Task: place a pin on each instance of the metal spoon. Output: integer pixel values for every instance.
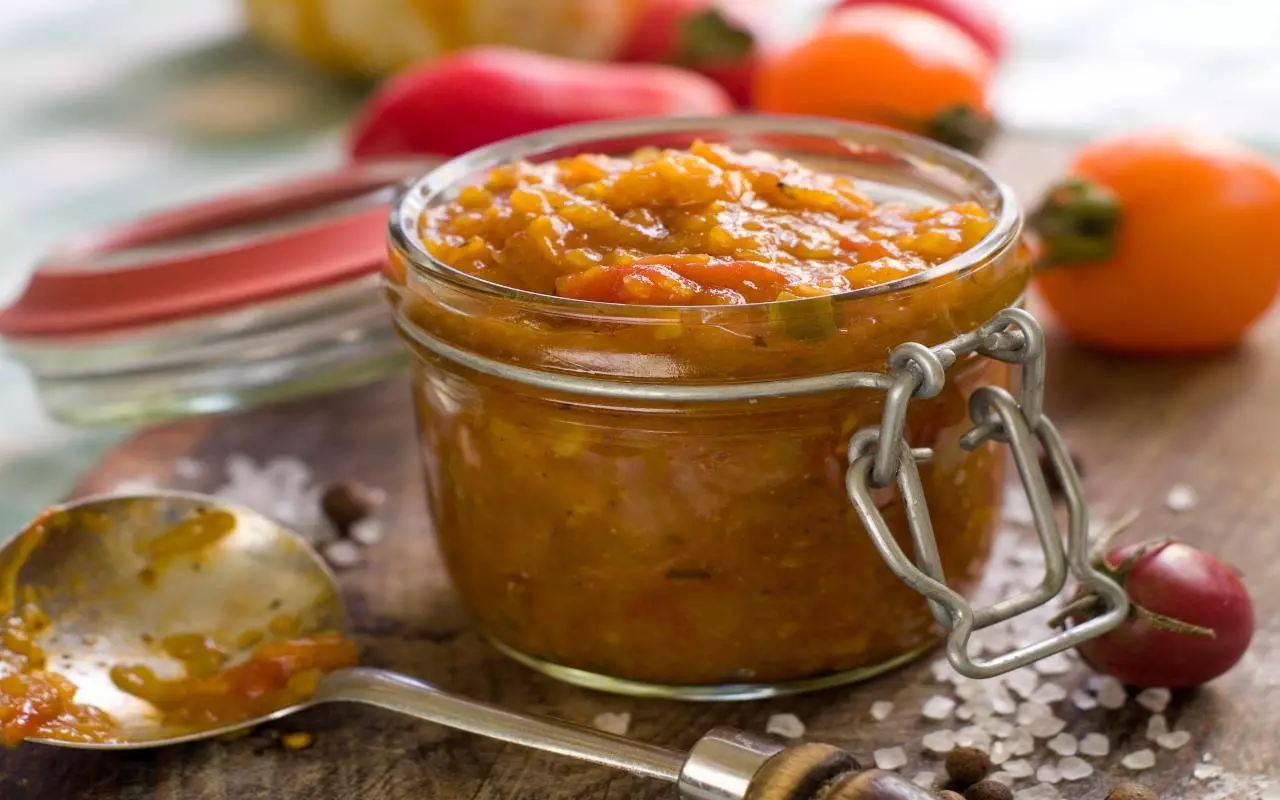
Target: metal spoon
(86, 573)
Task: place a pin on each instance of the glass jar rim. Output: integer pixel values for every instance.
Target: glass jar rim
(432, 187)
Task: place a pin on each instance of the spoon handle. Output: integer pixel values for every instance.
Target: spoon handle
(396, 692)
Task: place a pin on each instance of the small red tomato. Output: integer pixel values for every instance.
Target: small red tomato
(1174, 585)
(974, 17)
(718, 38)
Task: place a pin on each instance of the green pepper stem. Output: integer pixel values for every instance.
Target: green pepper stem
(1171, 624)
(1077, 222)
(962, 127)
(709, 37)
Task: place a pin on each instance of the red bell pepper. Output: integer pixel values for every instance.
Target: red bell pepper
(473, 97)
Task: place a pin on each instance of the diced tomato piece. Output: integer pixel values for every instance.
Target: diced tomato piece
(673, 280)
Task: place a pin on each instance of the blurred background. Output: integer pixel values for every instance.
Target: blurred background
(110, 108)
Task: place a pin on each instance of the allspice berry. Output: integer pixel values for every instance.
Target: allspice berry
(1131, 791)
(346, 503)
(988, 790)
(967, 765)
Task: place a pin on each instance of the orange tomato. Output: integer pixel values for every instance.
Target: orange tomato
(888, 65)
(1160, 243)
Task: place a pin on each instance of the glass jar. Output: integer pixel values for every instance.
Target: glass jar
(652, 500)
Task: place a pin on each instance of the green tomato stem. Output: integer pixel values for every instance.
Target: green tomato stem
(1077, 222)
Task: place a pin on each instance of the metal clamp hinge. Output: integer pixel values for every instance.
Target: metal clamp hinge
(881, 457)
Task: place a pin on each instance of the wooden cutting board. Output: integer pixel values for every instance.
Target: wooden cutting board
(1140, 427)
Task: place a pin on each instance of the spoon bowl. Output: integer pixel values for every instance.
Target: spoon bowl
(113, 591)
(116, 575)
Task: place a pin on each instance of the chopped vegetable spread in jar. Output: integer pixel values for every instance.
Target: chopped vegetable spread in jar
(622, 495)
(704, 226)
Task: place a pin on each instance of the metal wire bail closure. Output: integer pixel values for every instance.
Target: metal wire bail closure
(881, 457)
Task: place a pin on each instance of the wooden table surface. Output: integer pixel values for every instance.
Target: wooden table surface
(1139, 426)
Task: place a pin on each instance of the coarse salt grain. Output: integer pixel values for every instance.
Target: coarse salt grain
(1064, 744)
(880, 710)
(1030, 712)
(941, 742)
(1083, 700)
(1022, 682)
(1021, 743)
(925, 779)
(1111, 693)
(281, 487)
(973, 736)
(999, 728)
(1181, 497)
(994, 641)
(1002, 703)
(1048, 693)
(890, 758)
(999, 753)
(1153, 700)
(1000, 776)
(367, 531)
(342, 554)
(1157, 726)
(616, 723)
(938, 708)
(1095, 744)
(1139, 760)
(1041, 791)
(788, 726)
(1046, 727)
(942, 671)
(1019, 768)
(964, 712)
(1056, 664)
(1206, 772)
(1073, 768)
(1174, 740)
(1047, 773)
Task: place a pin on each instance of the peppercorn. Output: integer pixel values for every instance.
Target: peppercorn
(988, 790)
(346, 503)
(967, 765)
(1131, 791)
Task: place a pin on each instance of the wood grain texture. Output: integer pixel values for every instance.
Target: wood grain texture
(1138, 426)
